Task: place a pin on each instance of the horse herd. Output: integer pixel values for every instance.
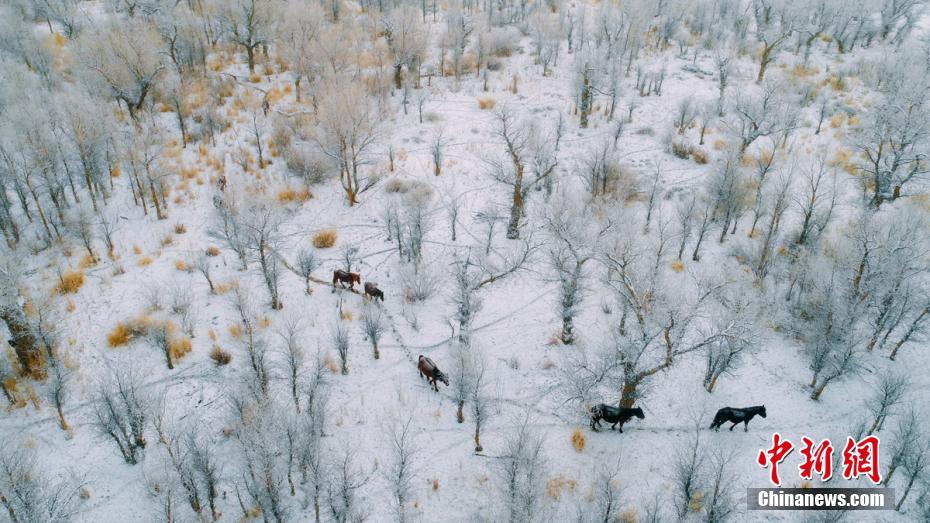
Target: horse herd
(428, 369)
(371, 289)
(616, 416)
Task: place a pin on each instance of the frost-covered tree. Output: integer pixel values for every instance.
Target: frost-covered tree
(124, 59)
(249, 25)
(121, 412)
(373, 326)
(521, 474)
(347, 130)
(31, 494)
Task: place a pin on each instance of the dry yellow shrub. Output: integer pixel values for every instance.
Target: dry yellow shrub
(213, 251)
(291, 195)
(179, 347)
(678, 266)
(70, 282)
(181, 265)
(486, 104)
(324, 239)
(578, 440)
(559, 484)
(144, 261)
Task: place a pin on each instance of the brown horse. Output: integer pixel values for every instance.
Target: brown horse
(344, 277)
(372, 291)
(431, 372)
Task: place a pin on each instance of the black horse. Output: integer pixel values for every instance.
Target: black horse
(737, 416)
(614, 415)
(373, 292)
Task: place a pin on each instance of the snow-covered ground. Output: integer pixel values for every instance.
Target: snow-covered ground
(515, 329)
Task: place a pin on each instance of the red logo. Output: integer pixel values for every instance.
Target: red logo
(775, 455)
(860, 458)
(819, 460)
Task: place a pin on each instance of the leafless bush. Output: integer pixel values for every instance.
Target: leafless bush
(121, 412)
(420, 282)
(373, 326)
(521, 473)
(340, 340)
(32, 495)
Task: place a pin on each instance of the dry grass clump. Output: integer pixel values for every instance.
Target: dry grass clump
(181, 265)
(144, 261)
(70, 282)
(696, 504)
(166, 240)
(628, 516)
(324, 239)
(578, 440)
(220, 356)
(486, 104)
(331, 365)
(290, 195)
(180, 228)
(87, 261)
(213, 251)
(179, 347)
(678, 266)
(125, 331)
(559, 484)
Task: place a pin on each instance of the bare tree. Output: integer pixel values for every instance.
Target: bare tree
(347, 478)
(32, 495)
(124, 57)
(248, 24)
(340, 340)
(251, 340)
(481, 408)
(306, 264)
(663, 328)
(121, 412)
(461, 377)
(572, 250)
(401, 471)
(915, 463)
(407, 41)
(291, 333)
(607, 492)
(521, 473)
(816, 201)
(373, 326)
(906, 435)
(203, 265)
(720, 502)
(688, 467)
(893, 144)
(724, 355)
(347, 130)
(263, 236)
(888, 393)
(775, 23)
(264, 461)
(764, 114)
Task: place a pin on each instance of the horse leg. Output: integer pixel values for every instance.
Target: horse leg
(593, 422)
(621, 428)
(746, 426)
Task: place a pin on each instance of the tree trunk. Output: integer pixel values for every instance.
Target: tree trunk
(30, 358)
(478, 447)
(374, 347)
(568, 334)
(459, 413)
